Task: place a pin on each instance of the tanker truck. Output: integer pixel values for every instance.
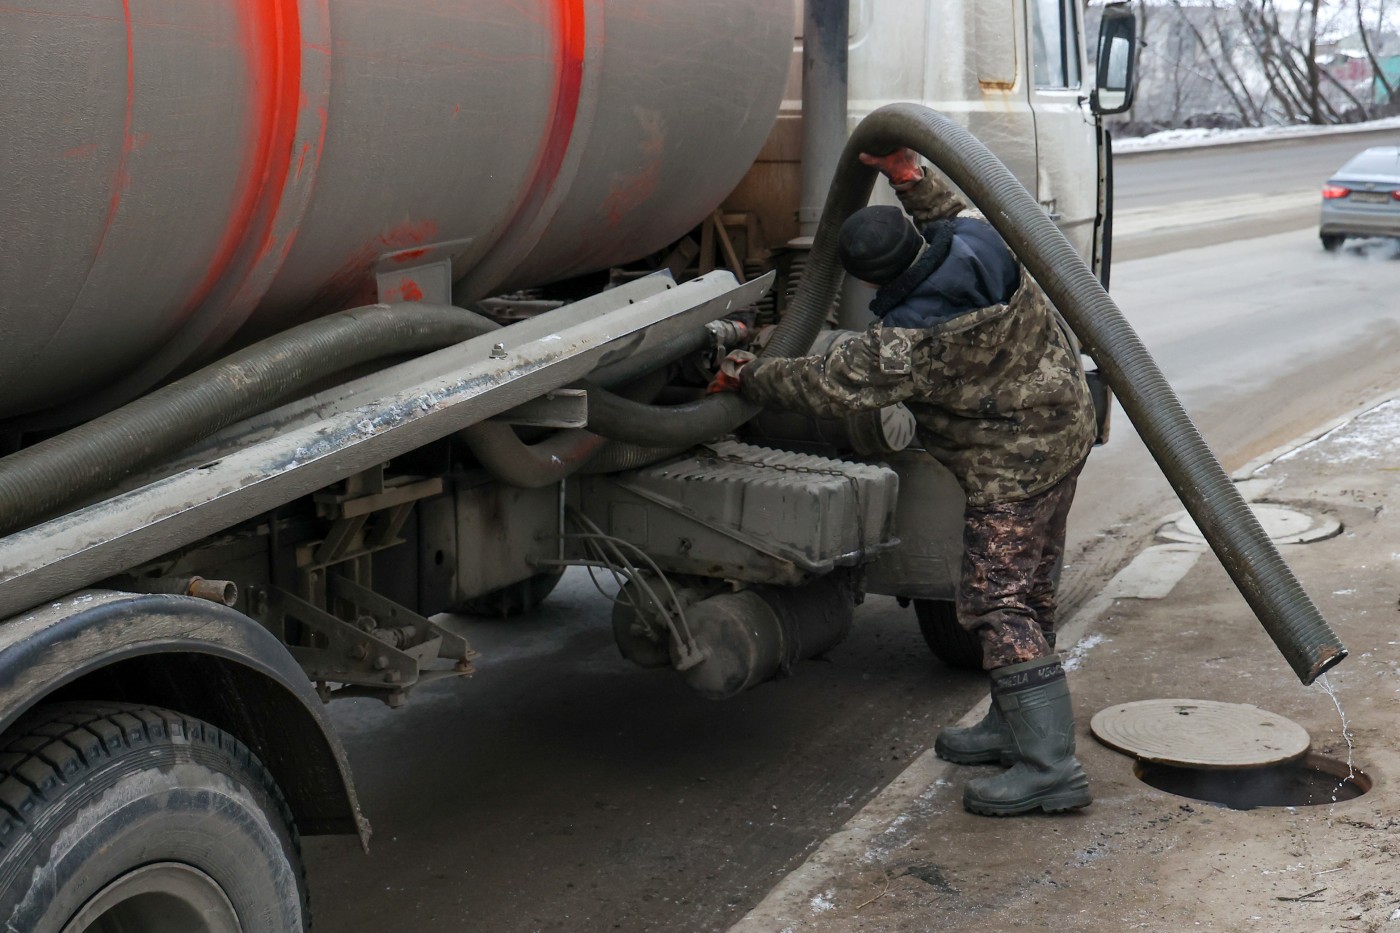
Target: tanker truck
(322, 318)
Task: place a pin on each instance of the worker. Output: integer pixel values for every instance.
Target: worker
(968, 341)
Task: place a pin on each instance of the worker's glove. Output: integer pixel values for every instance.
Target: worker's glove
(901, 167)
(730, 373)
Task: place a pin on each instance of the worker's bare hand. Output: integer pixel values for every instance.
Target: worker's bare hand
(730, 374)
(901, 167)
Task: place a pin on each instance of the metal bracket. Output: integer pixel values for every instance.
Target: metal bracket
(366, 516)
(421, 273)
(562, 408)
(430, 283)
(382, 654)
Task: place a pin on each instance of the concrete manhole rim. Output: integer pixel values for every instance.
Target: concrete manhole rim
(1320, 528)
(1155, 731)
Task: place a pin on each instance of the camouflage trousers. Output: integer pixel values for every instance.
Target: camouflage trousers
(1011, 558)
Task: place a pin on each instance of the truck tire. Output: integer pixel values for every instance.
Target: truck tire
(513, 600)
(950, 643)
(118, 817)
(1331, 242)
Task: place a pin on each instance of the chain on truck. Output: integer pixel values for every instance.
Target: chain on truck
(323, 319)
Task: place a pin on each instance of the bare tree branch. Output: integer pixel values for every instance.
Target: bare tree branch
(1248, 112)
(1226, 52)
(1377, 71)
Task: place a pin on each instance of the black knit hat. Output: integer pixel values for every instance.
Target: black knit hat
(877, 244)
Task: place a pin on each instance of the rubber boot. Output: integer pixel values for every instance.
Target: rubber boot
(987, 742)
(1033, 698)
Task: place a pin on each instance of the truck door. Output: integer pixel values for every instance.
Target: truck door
(1067, 182)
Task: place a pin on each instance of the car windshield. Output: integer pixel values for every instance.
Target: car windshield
(1374, 162)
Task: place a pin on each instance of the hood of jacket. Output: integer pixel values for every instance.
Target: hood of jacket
(977, 270)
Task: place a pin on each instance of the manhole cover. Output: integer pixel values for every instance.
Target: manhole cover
(1282, 525)
(1200, 733)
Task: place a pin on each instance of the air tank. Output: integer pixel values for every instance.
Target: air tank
(178, 176)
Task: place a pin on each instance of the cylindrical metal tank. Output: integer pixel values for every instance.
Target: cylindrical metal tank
(176, 175)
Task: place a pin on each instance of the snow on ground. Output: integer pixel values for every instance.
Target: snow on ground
(1370, 436)
(1189, 139)
(1075, 656)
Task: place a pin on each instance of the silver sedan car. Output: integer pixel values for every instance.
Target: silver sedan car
(1363, 198)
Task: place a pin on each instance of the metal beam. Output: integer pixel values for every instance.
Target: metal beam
(450, 390)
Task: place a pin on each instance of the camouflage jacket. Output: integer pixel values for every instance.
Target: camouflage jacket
(998, 393)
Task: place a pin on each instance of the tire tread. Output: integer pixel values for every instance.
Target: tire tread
(950, 643)
(46, 751)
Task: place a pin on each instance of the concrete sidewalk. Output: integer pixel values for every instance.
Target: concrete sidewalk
(1139, 858)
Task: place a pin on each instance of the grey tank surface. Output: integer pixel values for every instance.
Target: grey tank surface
(178, 176)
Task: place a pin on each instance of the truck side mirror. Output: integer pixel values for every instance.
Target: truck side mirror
(1117, 60)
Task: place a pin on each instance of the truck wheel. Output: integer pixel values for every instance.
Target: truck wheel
(1332, 242)
(950, 643)
(117, 817)
(513, 600)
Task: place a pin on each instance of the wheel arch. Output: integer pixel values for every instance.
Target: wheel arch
(196, 657)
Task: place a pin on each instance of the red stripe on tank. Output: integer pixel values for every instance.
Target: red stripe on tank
(119, 179)
(570, 35)
(271, 36)
(568, 25)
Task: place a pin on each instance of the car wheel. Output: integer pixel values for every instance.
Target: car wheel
(950, 643)
(1332, 242)
(513, 600)
(116, 817)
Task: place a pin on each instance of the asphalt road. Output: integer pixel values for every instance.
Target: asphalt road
(1168, 178)
(562, 789)
(1180, 199)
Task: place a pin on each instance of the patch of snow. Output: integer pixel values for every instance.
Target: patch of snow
(1075, 656)
(1190, 139)
(822, 902)
(1371, 435)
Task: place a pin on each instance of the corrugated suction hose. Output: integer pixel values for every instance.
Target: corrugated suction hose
(1305, 639)
(1248, 555)
(98, 454)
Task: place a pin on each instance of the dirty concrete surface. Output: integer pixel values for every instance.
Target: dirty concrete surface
(1139, 858)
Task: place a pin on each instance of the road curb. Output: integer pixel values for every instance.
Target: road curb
(1247, 471)
(1349, 129)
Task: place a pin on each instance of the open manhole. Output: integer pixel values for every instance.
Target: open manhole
(1283, 525)
(1231, 754)
(1312, 780)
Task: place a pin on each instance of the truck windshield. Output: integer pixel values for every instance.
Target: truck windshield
(1055, 43)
